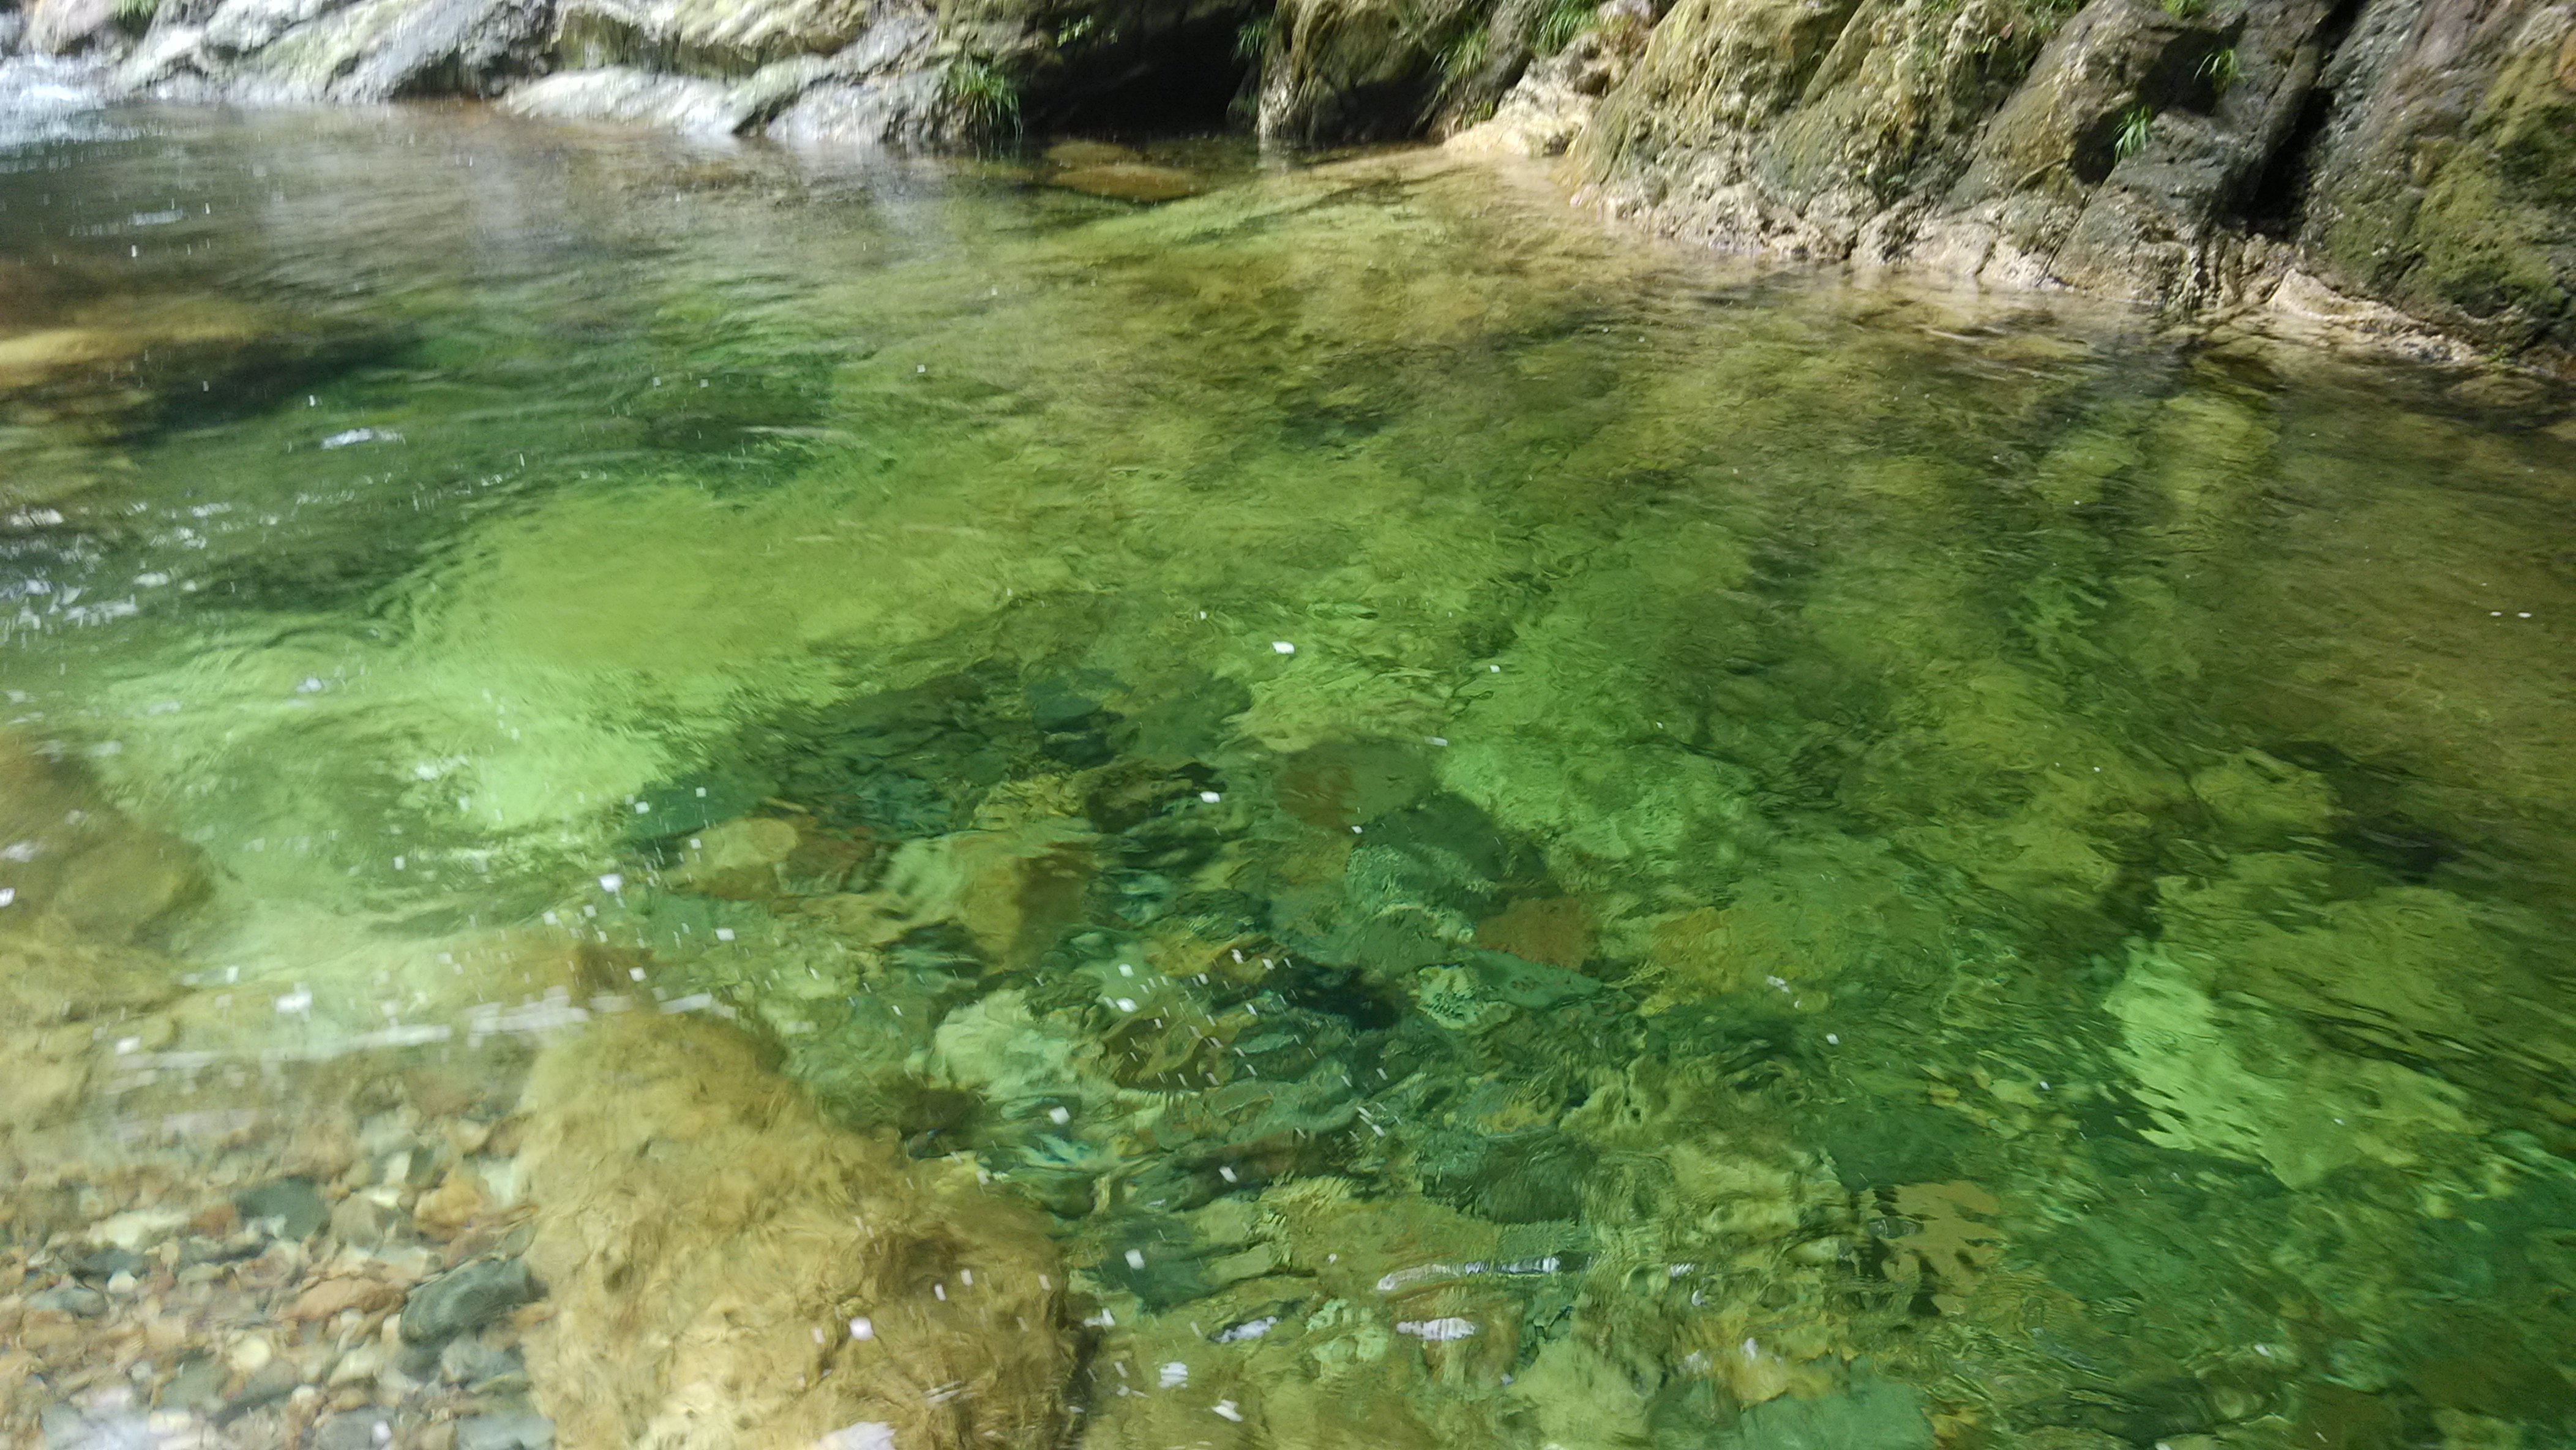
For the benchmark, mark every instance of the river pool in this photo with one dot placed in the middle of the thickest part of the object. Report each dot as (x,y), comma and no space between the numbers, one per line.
(694,796)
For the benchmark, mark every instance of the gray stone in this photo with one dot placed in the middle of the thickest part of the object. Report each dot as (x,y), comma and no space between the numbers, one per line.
(357,1430)
(862,94)
(468,1361)
(76,1299)
(691,105)
(268,1384)
(199,1385)
(368,1222)
(730,37)
(467,1297)
(108,1263)
(442,47)
(63,1426)
(316,50)
(294,1204)
(240,26)
(59,27)
(863,113)
(510,1430)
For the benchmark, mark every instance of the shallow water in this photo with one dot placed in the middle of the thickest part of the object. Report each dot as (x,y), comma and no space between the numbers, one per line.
(1501,836)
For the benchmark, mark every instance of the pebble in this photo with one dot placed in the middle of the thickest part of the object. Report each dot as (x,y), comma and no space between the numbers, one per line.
(108,1263)
(468,1297)
(470,1362)
(360,1365)
(199,1385)
(518,1430)
(357,1430)
(294,1203)
(74,1299)
(367,1221)
(274,1381)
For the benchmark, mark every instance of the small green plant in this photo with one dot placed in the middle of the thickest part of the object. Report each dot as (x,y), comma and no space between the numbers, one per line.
(2137,128)
(1073,31)
(984,94)
(2221,69)
(1462,58)
(1561,24)
(1252,41)
(136,15)
(2184,9)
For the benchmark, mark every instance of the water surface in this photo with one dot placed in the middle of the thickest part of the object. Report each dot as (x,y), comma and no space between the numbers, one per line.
(1501,836)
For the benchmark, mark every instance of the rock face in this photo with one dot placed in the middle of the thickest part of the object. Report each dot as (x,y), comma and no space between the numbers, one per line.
(2418,151)
(2189,154)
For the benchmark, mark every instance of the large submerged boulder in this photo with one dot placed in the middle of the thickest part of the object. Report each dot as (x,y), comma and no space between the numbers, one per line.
(726,1269)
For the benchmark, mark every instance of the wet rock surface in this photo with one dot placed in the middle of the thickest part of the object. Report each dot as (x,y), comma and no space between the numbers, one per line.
(2188,155)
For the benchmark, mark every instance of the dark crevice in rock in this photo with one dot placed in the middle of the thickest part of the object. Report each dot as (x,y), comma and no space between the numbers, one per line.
(1188,75)
(2276,197)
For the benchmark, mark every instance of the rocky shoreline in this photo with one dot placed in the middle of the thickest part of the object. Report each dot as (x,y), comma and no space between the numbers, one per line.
(2401,170)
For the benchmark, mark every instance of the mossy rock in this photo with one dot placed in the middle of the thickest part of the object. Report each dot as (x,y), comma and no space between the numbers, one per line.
(2453,193)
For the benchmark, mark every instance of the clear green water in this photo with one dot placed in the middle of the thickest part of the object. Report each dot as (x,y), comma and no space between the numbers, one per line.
(1818,868)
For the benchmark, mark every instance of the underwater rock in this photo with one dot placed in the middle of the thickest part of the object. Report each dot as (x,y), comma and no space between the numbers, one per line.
(1872,1414)
(1792,930)
(2257,800)
(1340,785)
(1528,1177)
(726,1270)
(467,1297)
(1015,891)
(293,1203)
(1554,931)
(1091,153)
(761,858)
(1128,181)
(81,887)
(737,859)
(2226,1076)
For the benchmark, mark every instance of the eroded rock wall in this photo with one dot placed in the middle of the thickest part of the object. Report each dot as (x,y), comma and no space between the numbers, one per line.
(2419,152)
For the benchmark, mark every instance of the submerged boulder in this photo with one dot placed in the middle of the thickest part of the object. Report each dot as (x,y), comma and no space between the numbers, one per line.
(83,891)
(728,1270)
